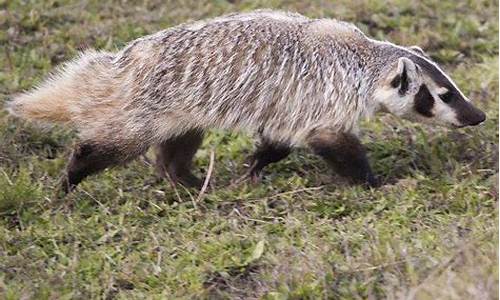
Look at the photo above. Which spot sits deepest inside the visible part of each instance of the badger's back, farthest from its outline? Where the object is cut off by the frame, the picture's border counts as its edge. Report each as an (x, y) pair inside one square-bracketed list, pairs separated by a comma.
[(256, 72), (279, 74)]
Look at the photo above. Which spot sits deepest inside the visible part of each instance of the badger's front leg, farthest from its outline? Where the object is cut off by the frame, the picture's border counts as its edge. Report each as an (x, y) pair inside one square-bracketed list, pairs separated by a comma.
[(344, 153), (267, 152), (174, 158)]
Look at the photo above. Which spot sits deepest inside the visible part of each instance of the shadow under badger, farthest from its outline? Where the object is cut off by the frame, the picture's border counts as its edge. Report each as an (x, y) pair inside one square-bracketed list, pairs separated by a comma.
[(290, 80)]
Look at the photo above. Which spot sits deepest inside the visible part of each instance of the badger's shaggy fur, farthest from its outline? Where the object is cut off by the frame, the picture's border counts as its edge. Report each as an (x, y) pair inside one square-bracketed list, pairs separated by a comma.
[(280, 75)]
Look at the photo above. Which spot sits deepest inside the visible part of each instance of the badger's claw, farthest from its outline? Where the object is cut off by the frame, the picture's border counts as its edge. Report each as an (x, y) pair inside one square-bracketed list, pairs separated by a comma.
[(253, 176), (189, 180)]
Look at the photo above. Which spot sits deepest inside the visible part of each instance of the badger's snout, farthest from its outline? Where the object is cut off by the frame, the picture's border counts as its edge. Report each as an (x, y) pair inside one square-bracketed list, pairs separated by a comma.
[(477, 119), (468, 115)]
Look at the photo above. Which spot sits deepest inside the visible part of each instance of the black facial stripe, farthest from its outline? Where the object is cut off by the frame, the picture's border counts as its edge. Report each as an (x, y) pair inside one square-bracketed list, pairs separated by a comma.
[(446, 97), (404, 82), (396, 81), (424, 101), (401, 80), (433, 72)]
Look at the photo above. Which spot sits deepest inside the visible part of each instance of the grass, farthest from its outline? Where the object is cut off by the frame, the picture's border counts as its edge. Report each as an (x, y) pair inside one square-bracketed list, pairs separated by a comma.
[(430, 233)]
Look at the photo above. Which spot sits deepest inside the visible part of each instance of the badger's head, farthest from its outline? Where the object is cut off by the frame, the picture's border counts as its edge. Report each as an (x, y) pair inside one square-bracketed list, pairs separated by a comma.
[(415, 88)]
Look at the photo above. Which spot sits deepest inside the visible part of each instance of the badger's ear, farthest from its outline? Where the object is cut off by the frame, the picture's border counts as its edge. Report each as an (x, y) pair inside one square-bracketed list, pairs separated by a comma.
[(418, 50), (406, 78)]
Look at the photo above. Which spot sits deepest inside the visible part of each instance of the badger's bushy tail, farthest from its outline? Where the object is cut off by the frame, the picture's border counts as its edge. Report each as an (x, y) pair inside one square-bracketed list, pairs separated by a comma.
[(63, 95)]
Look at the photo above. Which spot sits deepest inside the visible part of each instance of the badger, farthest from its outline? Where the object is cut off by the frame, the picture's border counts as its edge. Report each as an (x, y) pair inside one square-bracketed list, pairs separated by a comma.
[(289, 80)]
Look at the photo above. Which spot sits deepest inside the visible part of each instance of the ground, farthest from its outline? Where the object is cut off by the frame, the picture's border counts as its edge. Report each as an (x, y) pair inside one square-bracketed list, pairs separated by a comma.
[(430, 232)]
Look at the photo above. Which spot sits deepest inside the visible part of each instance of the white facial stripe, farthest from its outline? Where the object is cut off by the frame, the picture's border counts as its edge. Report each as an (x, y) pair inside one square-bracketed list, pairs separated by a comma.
[(441, 90), (390, 100), (393, 103), (443, 113)]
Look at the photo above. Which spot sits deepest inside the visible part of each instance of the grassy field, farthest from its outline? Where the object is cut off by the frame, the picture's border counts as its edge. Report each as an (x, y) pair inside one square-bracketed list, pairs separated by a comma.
[(429, 233)]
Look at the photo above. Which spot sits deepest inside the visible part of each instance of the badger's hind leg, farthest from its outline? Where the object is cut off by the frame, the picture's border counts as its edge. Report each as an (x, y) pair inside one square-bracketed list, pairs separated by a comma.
[(345, 154), (174, 158), (90, 156)]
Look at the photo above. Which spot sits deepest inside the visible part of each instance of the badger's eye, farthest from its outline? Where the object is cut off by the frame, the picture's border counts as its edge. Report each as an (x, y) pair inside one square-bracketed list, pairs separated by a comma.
[(446, 97)]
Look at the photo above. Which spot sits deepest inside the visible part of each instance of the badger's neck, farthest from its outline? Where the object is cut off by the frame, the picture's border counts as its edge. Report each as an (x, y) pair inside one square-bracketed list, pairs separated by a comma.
[(353, 66)]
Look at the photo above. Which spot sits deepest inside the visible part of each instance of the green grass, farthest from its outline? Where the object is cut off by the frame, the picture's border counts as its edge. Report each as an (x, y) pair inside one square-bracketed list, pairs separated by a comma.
[(430, 232)]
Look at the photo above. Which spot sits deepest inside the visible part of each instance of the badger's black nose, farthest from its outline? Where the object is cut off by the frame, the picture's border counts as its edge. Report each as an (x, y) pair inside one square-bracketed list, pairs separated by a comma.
[(468, 114), (477, 119)]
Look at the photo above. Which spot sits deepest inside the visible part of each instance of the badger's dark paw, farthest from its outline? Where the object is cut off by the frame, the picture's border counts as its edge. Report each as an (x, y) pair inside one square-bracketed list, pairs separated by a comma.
[(189, 180), (249, 177), (373, 182), (368, 182), (64, 187), (184, 178)]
